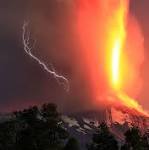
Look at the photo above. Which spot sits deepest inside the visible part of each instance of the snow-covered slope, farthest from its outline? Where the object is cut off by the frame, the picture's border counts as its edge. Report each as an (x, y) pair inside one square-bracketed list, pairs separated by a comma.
[(82, 125)]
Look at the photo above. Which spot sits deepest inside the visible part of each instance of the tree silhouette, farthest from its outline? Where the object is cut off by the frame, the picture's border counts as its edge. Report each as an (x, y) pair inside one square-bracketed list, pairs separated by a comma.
[(7, 135), (40, 129), (27, 132), (55, 133), (72, 144), (103, 140), (145, 140), (134, 140)]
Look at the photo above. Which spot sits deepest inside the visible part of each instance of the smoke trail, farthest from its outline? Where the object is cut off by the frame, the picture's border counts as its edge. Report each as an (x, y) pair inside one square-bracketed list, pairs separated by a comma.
[(28, 49)]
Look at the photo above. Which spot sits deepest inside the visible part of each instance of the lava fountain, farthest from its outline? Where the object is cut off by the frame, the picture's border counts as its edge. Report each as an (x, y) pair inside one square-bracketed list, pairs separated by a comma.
[(118, 40), (118, 36), (103, 31)]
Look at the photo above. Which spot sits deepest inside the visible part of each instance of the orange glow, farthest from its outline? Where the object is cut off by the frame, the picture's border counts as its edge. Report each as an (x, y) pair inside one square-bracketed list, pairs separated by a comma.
[(116, 64), (104, 29), (118, 35), (131, 103), (118, 38)]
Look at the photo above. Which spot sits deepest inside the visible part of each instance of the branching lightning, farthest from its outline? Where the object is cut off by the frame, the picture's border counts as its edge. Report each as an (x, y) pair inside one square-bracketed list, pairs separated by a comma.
[(28, 49)]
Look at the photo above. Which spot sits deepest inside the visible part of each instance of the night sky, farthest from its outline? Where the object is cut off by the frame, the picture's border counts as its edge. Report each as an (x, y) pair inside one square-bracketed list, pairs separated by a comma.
[(22, 80)]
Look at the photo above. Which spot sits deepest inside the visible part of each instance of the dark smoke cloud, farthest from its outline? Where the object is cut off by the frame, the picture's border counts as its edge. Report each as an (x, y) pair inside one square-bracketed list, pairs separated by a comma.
[(23, 82)]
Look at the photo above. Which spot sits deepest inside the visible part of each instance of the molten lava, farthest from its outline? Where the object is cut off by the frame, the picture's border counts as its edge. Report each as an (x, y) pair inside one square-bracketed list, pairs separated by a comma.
[(116, 63), (118, 37), (109, 37)]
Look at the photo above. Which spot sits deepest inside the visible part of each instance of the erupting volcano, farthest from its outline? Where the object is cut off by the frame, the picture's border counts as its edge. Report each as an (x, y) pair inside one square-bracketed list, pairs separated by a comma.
[(117, 38), (111, 38)]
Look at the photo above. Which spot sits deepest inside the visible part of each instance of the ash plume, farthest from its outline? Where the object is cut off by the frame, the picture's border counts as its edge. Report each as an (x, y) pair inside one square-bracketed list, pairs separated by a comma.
[(70, 35), (80, 29)]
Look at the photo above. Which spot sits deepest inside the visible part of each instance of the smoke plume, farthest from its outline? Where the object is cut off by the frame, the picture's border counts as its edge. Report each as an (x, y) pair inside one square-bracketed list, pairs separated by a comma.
[(72, 35)]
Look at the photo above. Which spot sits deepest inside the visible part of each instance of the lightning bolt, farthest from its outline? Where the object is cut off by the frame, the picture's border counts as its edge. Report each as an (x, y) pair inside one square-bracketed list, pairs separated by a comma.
[(28, 49)]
